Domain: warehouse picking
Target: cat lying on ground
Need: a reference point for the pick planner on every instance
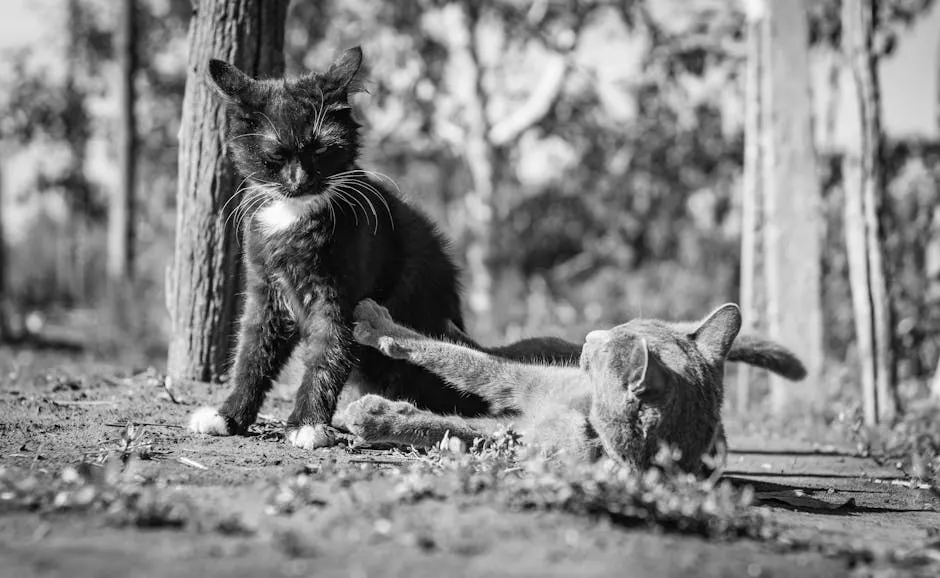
(638, 385)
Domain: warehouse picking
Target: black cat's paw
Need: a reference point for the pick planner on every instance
(208, 420)
(310, 437)
(375, 419)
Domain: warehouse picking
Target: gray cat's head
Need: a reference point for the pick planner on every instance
(647, 358)
(291, 135)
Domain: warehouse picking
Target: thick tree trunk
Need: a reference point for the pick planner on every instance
(121, 207)
(864, 197)
(751, 287)
(203, 284)
(793, 206)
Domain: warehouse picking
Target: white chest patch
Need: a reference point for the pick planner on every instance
(279, 216)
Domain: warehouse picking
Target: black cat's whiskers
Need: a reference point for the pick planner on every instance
(369, 188)
(258, 196)
(257, 134)
(377, 174)
(270, 122)
(347, 178)
(349, 189)
(345, 198)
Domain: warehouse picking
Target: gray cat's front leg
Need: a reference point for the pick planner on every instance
(376, 419)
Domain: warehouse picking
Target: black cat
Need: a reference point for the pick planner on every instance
(320, 235)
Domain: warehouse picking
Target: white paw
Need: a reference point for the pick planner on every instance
(310, 437)
(208, 421)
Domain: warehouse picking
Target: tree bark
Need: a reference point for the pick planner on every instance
(203, 284)
(793, 223)
(751, 286)
(121, 207)
(863, 176)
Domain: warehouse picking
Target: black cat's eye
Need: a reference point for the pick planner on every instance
(273, 158)
(321, 150)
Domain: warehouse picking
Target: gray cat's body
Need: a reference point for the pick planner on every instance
(639, 385)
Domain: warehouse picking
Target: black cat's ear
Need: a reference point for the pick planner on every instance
(717, 332)
(636, 366)
(345, 69)
(230, 83)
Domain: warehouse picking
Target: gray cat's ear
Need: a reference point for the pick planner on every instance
(344, 71)
(637, 366)
(230, 83)
(717, 332)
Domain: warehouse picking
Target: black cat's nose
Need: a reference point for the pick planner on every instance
(296, 174)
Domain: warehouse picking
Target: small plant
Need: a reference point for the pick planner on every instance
(912, 443)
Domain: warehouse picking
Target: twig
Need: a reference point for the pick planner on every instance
(170, 425)
(80, 403)
(906, 483)
(191, 463)
(169, 391)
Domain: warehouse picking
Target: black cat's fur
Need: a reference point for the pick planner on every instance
(322, 235)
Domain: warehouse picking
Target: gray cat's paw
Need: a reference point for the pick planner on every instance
(370, 311)
(367, 334)
(374, 418)
(310, 437)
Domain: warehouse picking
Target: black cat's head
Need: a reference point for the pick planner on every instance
(290, 136)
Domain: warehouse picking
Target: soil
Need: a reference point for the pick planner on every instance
(840, 514)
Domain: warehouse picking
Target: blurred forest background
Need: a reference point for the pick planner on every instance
(600, 146)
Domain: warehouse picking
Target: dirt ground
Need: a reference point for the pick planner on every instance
(840, 514)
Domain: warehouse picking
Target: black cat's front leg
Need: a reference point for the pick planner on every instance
(265, 341)
(326, 350)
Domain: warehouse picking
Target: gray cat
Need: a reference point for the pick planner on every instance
(639, 385)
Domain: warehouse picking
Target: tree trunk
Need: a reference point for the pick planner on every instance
(204, 281)
(751, 287)
(4, 321)
(863, 177)
(793, 206)
(933, 249)
(121, 207)
(479, 202)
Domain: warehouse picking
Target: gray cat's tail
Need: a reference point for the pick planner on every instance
(767, 354)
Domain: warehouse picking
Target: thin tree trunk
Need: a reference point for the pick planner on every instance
(793, 204)
(751, 206)
(204, 282)
(479, 202)
(121, 207)
(864, 191)
(933, 249)
(4, 321)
